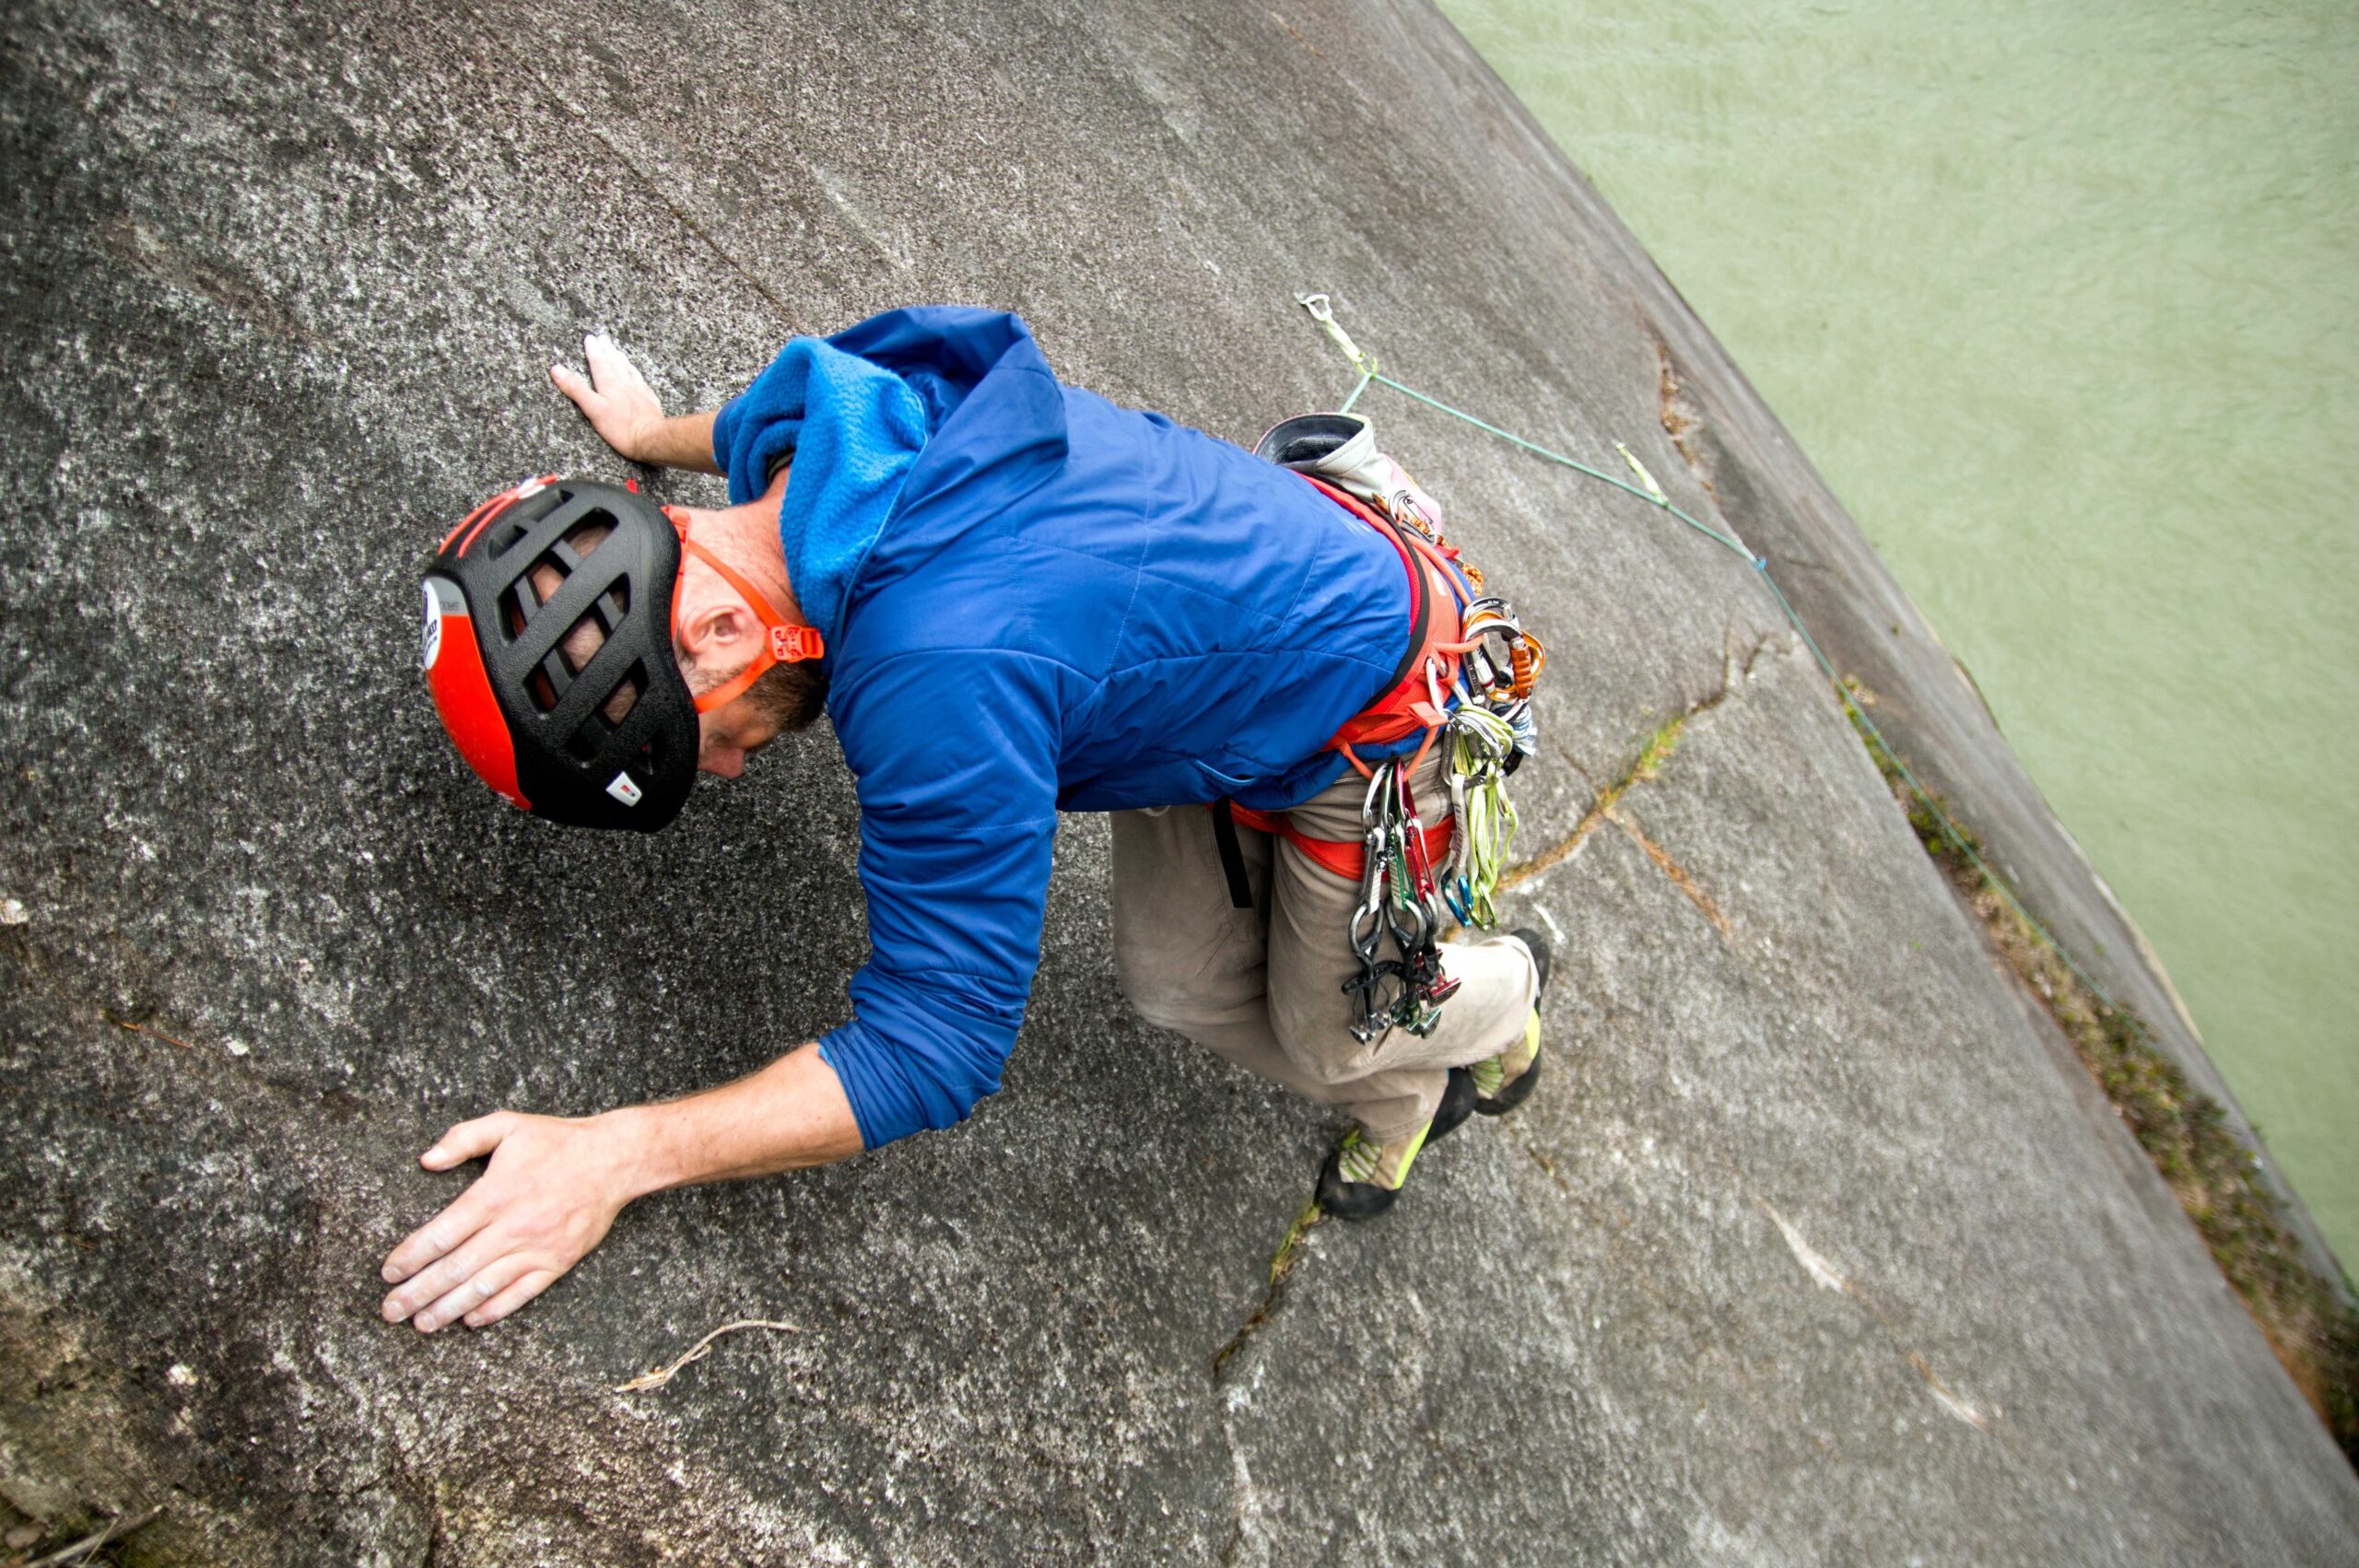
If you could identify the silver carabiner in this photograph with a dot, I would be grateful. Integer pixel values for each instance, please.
(1378, 776)
(1367, 922)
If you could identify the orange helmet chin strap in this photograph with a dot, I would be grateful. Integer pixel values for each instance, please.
(783, 643)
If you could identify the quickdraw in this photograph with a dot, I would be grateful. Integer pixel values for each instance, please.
(1491, 732)
(1483, 818)
(1401, 898)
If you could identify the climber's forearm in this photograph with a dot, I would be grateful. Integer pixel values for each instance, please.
(680, 441)
(790, 1115)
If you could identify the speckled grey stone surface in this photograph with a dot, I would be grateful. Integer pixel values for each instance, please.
(1817, 1245)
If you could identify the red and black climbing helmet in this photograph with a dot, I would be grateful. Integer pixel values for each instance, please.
(603, 738)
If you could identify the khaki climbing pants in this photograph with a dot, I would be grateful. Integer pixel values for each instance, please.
(1264, 987)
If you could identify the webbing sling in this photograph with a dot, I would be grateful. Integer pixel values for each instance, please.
(1232, 854)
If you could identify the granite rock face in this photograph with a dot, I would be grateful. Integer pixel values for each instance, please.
(1817, 1246)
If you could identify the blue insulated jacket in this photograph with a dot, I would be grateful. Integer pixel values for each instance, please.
(1034, 601)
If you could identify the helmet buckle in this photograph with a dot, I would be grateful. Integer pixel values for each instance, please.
(791, 644)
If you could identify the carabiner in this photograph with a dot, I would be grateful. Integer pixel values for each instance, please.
(1377, 777)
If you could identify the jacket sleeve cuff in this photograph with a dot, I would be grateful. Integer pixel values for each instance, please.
(934, 1081)
(759, 427)
(831, 1051)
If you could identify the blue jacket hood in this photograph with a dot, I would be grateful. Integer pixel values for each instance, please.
(883, 418)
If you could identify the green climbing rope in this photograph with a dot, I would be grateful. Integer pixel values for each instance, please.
(1322, 312)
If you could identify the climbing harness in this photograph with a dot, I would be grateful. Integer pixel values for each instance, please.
(1466, 681)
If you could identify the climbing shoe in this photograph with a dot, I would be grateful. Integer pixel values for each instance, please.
(1505, 1081)
(1362, 1177)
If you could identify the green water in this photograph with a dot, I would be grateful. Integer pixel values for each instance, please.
(2064, 302)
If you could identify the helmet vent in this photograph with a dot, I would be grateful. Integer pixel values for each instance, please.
(616, 708)
(613, 605)
(580, 540)
(541, 684)
(516, 608)
(568, 586)
(539, 582)
(588, 742)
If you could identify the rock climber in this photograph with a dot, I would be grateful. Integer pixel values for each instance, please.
(1010, 597)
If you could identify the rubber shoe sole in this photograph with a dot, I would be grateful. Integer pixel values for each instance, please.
(1459, 1101)
(1351, 1200)
(1537, 945)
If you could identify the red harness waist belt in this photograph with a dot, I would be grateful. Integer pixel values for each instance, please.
(1347, 858)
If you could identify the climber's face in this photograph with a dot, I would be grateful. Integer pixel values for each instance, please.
(732, 732)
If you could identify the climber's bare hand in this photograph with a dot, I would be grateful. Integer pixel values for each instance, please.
(554, 1186)
(615, 398)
